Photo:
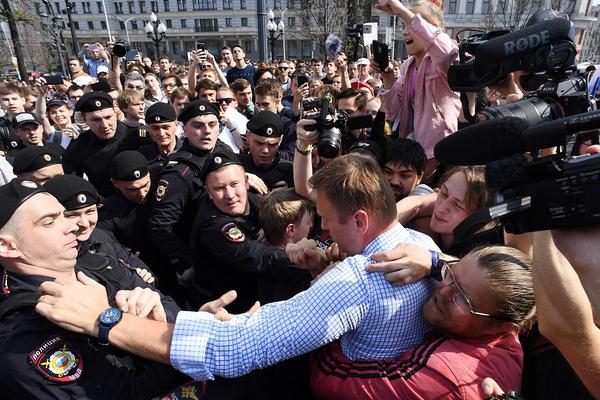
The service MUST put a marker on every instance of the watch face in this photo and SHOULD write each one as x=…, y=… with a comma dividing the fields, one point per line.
x=110, y=316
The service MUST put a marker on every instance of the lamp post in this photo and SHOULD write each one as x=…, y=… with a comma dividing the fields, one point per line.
x=125, y=22
x=272, y=27
x=69, y=10
x=55, y=29
x=156, y=31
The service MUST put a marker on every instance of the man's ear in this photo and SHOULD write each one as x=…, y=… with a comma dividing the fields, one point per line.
x=9, y=247
x=361, y=220
x=290, y=230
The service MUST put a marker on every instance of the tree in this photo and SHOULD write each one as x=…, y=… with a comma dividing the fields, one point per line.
x=6, y=11
x=321, y=18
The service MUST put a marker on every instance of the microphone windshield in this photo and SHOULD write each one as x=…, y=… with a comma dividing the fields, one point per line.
x=482, y=142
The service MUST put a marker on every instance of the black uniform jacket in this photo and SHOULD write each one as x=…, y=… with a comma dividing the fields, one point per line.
x=279, y=171
x=40, y=360
x=174, y=205
x=229, y=256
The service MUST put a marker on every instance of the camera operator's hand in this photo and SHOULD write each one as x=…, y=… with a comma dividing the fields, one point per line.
x=144, y=303
x=217, y=307
x=307, y=137
x=406, y=263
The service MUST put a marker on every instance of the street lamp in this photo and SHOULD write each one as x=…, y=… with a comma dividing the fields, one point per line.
x=272, y=27
x=156, y=32
x=55, y=29
x=69, y=10
x=125, y=22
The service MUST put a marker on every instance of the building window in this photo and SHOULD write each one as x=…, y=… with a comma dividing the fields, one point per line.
x=204, y=5
x=244, y=21
x=291, y=22
x=36, y=6
x=228, y=22
x=86, y=7
x=154, y=6
x=571, y=7
x=121, y=25
x=470, y=6
x=375, y=18
x=181, y=5
x=99, y=5
x=227, y=5
x=131, y=6
x=206, y=25
x=247, y=46
x=242, y=4
x=91, y=25
x=184, y=23
x=452, y=7
x=118, y=8
x=142, y=7
x=167, y=5
x=102, y=24
x=501, y=6
x=134, y=25
x=277, y=4
x=486, y=7
x=169, y=24
x=291, y=4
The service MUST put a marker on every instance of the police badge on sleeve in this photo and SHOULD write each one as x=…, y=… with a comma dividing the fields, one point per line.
x=233, y=233
x=57, y=360
x=161, y=190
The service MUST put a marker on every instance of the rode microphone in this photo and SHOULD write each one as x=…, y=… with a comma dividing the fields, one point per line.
x=524, y=42
x=491, y=140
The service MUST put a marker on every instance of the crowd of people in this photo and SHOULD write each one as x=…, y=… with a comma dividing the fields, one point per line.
x=237, y=230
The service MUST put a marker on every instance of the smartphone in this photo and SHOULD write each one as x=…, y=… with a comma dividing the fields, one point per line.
x=56, y=79
x=381, y=54
x=302, y=79
x=102, y=86
x=200, y=45
x=131, y=55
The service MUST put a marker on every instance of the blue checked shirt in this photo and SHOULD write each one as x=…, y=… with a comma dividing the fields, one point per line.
x=372, y=318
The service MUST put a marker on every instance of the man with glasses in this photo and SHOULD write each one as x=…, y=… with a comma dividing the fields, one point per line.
x=283, y=75
x=232, y=123
x=478, y=309
x=169, y=83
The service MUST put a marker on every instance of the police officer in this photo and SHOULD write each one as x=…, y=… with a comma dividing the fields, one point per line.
x=175, y=202
x=42, y=360
x=38, y=164
x=125, y=212
x=92, y=151
x=225, y=244
x=80, y=200
x=264, y=136
x=161, y=122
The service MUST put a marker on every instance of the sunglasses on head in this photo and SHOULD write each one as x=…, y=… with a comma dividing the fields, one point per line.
x=205, y=66
x=226, y=100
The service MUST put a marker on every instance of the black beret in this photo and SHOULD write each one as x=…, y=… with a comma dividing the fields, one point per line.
x=94, y=101
x=368, y=147
x=32, y=158
x=160, y=112
x=72, y=191
x=23, y=118
x=14, y=194
x=128, y=166
x=218, y=160
x=266, y=123
x=196, y=108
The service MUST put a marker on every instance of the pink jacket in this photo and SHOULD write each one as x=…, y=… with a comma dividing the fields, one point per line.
x=436, y=106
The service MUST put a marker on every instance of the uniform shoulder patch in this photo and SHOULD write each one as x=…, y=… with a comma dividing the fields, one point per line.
x=161, y=189
x=57, y=360
x=190, y=391
x=233, y=233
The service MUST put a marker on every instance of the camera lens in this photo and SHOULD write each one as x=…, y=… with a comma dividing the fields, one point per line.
x=533, y=110
x=330, y=142
x=120, y=48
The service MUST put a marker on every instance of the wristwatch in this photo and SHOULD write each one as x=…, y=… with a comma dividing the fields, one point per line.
x=107, y=319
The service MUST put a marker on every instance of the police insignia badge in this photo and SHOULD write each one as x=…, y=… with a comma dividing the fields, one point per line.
x=233, y=233
x=47, y=157
x=98, y=103
x=190, y=391
x=161, y=190
x=57, y=360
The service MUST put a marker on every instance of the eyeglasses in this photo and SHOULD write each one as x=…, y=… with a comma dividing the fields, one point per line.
x=283, y=68
x=226, y=100
x=169, y=85
x=459, y=297
x=205, y=66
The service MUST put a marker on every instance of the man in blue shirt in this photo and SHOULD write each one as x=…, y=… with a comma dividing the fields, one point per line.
x=98, y=58
x=242, y=69
x=372, y=318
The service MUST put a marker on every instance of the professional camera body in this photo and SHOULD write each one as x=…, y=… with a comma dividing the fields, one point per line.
x=120, y=48
x=332, y=124
x=545, y=51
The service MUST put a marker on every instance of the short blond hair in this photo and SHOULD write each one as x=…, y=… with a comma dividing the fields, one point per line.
x=278, y=210
x=129, y=96
x=352, y=183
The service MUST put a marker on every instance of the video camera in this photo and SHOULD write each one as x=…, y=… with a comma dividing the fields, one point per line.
x=532, y=193
x=332, y=124
x=544, y=50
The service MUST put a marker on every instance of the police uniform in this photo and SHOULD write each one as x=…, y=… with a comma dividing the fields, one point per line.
x=269, y=125
x=230, y=256
x=32, y=158
x=90, y=155
x=43, y=361
x=178, y=190
x=159, y=113
x=75, y=193
x=8, y=140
